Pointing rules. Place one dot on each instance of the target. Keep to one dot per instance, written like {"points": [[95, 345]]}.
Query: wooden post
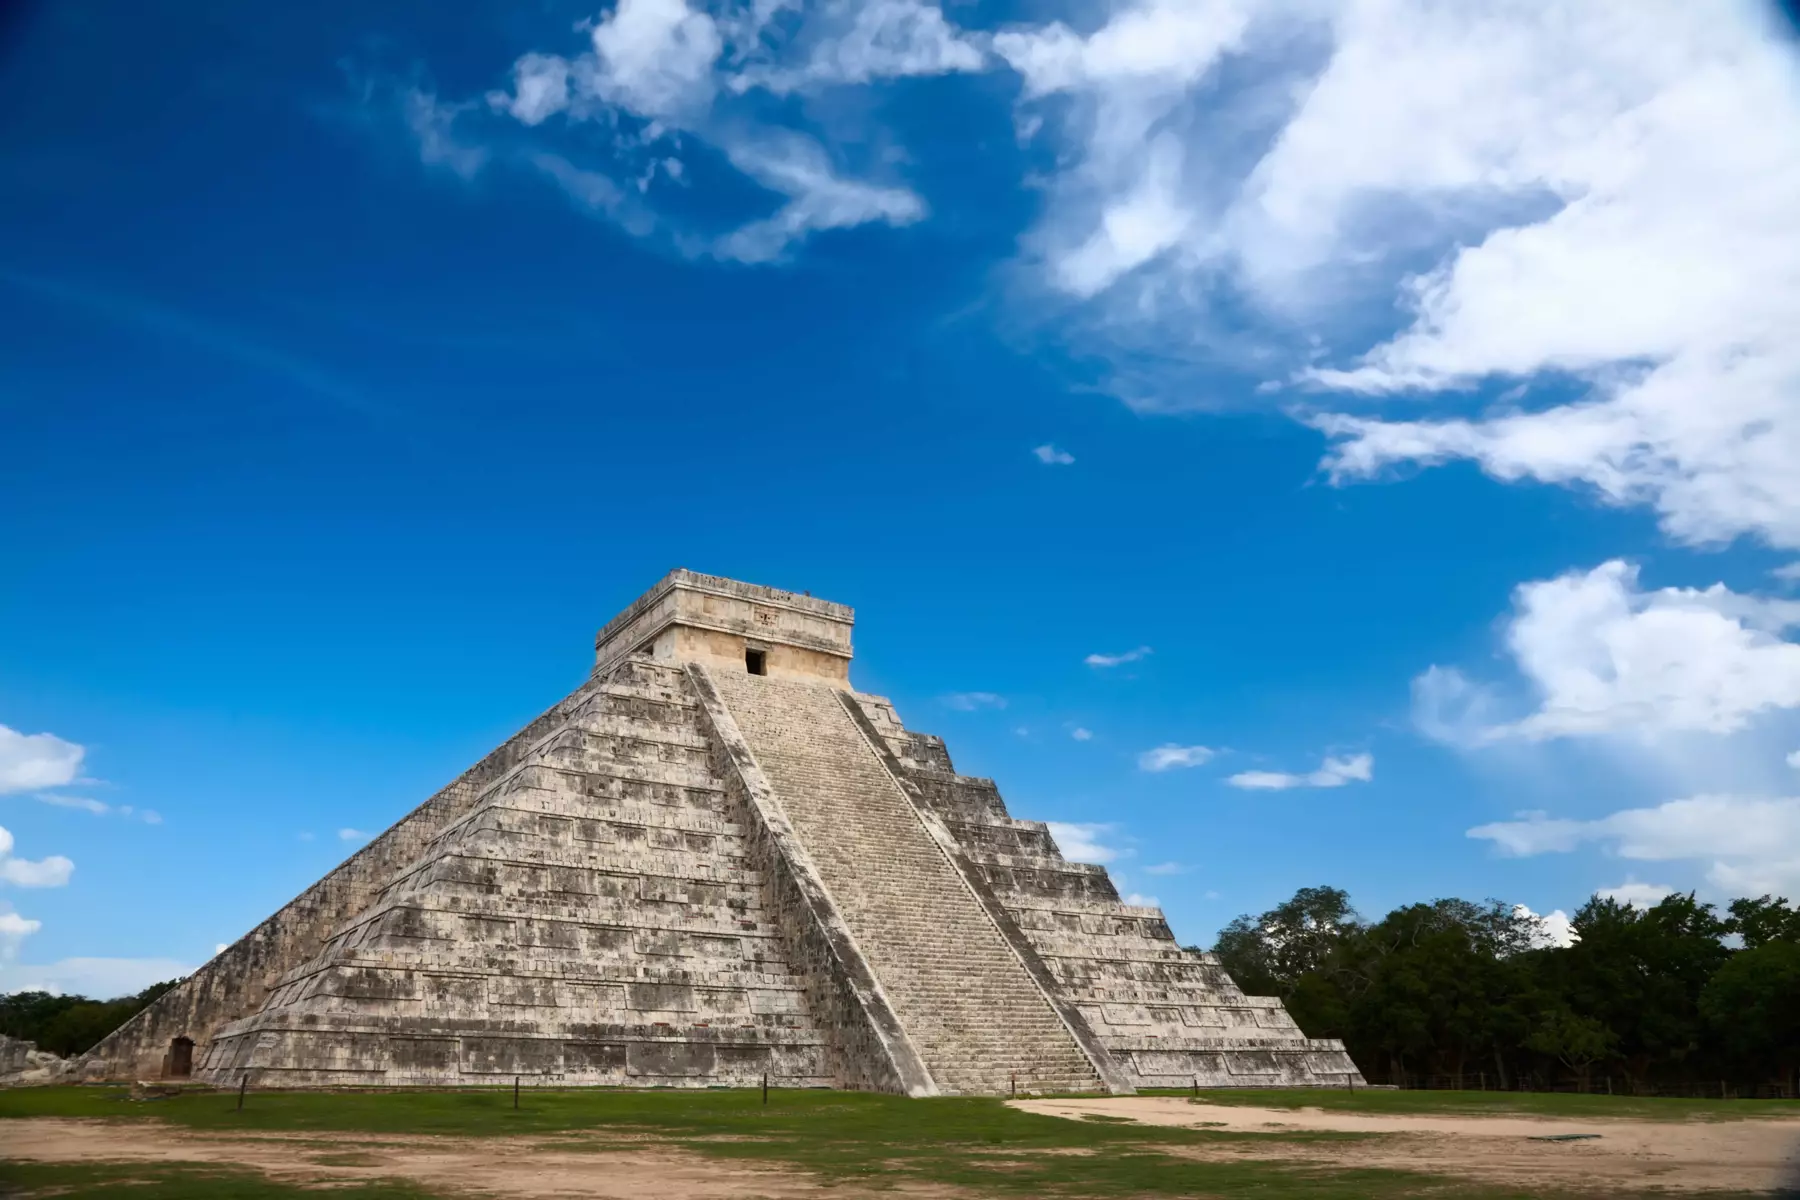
{"points": [[1483, 1077], [515, 1091], [243, 1083], [765, 1087], [1014, 1085], [1196, 1087]]}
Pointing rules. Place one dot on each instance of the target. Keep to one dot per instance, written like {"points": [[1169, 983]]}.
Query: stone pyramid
{"points": [[715, 862]]}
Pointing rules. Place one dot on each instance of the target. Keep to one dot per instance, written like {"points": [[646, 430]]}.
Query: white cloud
{"points": [[1550, 929], [654, 57], [818, 197], [36, 760], [352, 835], [652, 78], [1594, 198], [883, 39], [13, 930], [1140, 900], [1165, 868], [1333, 772], [1603, 655], [1168, 757], [1788, 572], [1102, 661], [220, 948], [1750, 845], [100, 978], [1652, 251], [972, 701], [1793, 760], [1638, 895], [1081, 734], [1050, 456], [53, 871], [1081, 843]]}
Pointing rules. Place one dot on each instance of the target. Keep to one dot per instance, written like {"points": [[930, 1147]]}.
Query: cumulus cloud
{"points": [[1604, 655], [1593, 198], [1171, 756], [53, 871], [1050, 456], [14, 929], [1103, 661], [1081, 842], [1638, 895], [1749, 845], [1548, 929], [1333, 772], [36, 760]]}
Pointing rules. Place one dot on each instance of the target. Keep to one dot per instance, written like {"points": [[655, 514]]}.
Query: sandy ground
{"points": [[1752, 1155], [613, 1169]]}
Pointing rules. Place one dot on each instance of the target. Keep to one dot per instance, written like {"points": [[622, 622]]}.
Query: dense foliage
{"points": [[1669, 995], [70, 1025]]}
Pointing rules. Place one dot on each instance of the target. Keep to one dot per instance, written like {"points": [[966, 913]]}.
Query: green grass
{"points": [[860, 1139], [163, 1181], [1545, 1104]]}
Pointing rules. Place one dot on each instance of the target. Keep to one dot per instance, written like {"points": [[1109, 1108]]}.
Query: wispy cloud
{"points": [[972, 701], [99, 808], [1103, 661], [352, 835], [1050, 456], [1638, 895], [1082, 734], [207, 334], [1171, 756], [1164, 868], [1333, 772], [102, 978]]}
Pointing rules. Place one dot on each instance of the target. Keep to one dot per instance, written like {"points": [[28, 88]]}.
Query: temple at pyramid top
{"points": [[688, 617], [713, 863]]}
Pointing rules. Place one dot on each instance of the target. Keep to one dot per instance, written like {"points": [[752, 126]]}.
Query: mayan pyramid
{"points": [[713, 862]]}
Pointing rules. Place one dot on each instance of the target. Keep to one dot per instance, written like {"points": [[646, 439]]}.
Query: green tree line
{"points": [[1676, 994], [70, 1025]]}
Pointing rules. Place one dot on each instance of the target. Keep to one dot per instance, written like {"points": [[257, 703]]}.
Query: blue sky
{"points": [[1405, 394]]}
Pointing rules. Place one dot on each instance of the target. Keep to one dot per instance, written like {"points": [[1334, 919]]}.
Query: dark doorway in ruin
{"points": [[756, 662], [181, 1057]]}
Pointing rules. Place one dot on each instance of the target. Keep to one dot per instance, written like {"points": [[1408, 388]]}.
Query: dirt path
{"points": [[545, 1166], [1753, 1155]]}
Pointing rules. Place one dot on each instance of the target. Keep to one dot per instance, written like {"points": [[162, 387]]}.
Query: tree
{"points": [[1576, 1041], [1753, 1007], [1269, 955], [1763, 920], [70, 1025]]}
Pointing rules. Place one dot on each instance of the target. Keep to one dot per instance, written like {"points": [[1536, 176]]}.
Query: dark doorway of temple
{"points": [[181, 1057]]}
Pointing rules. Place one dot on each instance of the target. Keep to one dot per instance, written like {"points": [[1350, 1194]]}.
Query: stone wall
{"points": [[236, 982], [1170, 1017]]}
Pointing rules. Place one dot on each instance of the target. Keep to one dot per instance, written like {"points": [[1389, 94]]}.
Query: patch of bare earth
{"points": [[627, 1169], [1751, 1155]]}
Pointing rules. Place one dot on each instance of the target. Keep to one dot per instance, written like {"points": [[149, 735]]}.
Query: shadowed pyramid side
{"points": [[1170, 1016]]}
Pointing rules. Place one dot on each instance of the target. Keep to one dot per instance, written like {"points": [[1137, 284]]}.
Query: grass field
{"points": [[1546, 1104], [863, 1141]]}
